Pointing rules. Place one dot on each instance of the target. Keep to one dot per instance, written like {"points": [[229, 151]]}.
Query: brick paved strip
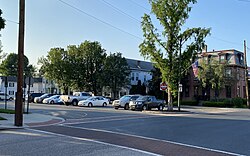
{"points": [[144, 144]]}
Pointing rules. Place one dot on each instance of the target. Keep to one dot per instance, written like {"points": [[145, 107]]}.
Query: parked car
{"points": [[4, 96], [146, 103], [123, 102], [55, 99], [41, 98], [32, 96], [75, 98], [94, 101]]}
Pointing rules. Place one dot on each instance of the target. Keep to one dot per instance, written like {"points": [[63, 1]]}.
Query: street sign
{"points": [[163, 86], [180, 87]]}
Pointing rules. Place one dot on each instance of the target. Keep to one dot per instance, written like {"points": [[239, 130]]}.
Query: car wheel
{"points": [[90, 104], [10, 98], [144, 107], [116, 107], [104, 104], [52, 102], [126, 107], [74, 102], [160, 108]]}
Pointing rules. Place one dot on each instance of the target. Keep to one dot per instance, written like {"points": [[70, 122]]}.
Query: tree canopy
{"points": [[2, 21], [116, 72], [169, 49], [213, 75], [9, 66], [84, 67]]}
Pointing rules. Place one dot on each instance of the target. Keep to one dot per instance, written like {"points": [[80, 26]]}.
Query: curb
{"points": [[53, 121]]}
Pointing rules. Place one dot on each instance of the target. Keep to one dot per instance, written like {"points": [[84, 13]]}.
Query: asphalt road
{"points": [[146, 133]]}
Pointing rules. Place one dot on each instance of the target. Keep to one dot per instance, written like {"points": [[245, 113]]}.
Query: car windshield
{"points": [[142, 98], [125, 98], [44, 95], [55, 96], [76, 94], [91, 98]]}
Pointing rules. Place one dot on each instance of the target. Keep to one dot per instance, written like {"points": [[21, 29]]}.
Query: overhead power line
{"points": [[139, 5], [11, 21], [120, 11], [106, 23]]}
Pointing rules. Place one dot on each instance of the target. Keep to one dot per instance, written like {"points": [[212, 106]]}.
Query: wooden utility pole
{"points": [[246, 72], [19, 95]]}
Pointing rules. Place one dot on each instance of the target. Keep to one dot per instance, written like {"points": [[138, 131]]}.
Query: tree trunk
{"points": [[170, 100]]}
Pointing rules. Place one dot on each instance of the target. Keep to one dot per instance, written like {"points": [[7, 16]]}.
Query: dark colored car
{"points": [[41, 98], [146, 103], [33, 95]]}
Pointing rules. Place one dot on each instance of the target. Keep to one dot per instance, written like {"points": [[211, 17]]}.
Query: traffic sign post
{"points": [[163, 86]]}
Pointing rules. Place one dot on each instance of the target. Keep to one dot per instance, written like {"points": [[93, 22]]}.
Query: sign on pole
{"points": [[163, 86]]}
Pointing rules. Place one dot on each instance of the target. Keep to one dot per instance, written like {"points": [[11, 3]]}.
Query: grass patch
{"points": [[7, 111]]}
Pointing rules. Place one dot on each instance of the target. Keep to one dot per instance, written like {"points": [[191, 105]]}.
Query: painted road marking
{"points": [[89, 140], [171, 142]]}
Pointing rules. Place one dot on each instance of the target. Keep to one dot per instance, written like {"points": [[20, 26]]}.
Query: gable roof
{"points": [[140, 65]]}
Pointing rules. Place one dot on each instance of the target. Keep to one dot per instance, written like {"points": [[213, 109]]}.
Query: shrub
{"points": [[213, 104], [238, 102], [186, 103]]}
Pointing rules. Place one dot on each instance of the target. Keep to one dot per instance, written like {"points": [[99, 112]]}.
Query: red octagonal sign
{"points": [[163, 86]]}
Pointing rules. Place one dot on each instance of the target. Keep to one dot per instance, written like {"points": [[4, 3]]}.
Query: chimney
{"points": [[204, 49]]}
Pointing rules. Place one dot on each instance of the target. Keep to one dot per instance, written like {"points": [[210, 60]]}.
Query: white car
{"points": [[55, 99], [94, 101]]}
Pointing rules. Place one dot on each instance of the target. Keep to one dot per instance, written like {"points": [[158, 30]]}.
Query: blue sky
{"points": [[51, 23]]}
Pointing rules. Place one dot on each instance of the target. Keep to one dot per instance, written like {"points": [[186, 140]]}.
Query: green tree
{"points": [[78, 67], [92, 57], [56, 66], [9, 66], [115, 72], [2, 21], [2, 25], [164, 48], [154, 84], [138, 89], [212, 75]]}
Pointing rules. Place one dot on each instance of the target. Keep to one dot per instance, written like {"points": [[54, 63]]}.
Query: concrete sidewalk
{"points": [[29, 120]]}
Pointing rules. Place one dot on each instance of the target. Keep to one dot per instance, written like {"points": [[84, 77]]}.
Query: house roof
{"points": [[14, 79], [140, 65]]}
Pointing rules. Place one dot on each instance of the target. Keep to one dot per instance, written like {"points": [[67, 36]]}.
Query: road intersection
{"points": [[205, 131]]}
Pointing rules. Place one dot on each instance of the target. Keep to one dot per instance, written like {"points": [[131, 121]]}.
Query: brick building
{"points": [[235, 69]]}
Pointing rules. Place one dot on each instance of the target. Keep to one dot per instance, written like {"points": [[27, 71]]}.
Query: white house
{"points": [[139, 71], [37, 85]]}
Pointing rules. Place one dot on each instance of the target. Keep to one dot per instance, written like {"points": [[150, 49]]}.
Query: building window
{"points": [[133, 76], [187, 91], [238, 91], [222, 59], [228, 91], [11, 84], [137, 77], [209, 58], [227, 57], [240, 58], [196, 91], [228, 72], [11, 92]]}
